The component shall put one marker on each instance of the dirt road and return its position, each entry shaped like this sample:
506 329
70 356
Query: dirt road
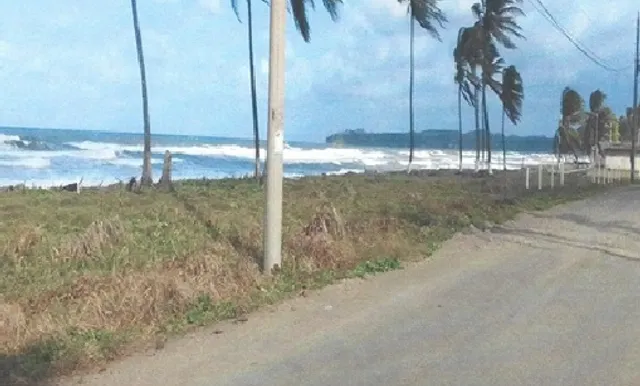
550 299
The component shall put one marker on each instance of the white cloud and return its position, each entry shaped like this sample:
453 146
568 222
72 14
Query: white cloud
212 6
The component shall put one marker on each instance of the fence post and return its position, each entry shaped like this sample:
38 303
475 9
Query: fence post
553 176
526 178
539 176
592 169
562 174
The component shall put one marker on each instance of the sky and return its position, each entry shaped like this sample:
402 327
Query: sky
73 64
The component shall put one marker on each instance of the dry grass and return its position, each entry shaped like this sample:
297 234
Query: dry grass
87 276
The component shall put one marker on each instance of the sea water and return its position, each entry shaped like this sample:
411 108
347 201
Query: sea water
53 157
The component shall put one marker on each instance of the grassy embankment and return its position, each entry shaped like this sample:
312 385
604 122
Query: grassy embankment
87 277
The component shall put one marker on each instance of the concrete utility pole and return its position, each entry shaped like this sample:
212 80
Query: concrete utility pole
275 140
634 115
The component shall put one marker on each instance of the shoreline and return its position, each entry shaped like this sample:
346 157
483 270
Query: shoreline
423 172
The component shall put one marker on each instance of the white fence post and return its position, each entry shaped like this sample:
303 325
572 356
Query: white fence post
539 176
553 176
562 174
526 178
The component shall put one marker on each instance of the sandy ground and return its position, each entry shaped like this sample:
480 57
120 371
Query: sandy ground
552 298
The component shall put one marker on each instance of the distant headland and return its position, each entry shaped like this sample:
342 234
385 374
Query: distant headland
438 139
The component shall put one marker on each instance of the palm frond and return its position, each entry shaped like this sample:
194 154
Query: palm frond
512 95
236 10
428 15
300 12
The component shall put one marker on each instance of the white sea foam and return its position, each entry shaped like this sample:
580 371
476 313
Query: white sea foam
29 163
107 162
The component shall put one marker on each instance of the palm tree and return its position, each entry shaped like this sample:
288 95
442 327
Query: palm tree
254 101
147 178
492 65
496 23
464 78
512 97
592 131
429 17
572 109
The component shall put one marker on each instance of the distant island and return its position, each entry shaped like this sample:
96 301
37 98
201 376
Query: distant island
438 139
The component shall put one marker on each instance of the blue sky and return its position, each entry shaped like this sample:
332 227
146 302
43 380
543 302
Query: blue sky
72 64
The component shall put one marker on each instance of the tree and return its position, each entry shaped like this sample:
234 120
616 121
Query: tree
300 14
594 122
467 57
572 111
147 178
430 18
463 79
252 76
512 96
496 23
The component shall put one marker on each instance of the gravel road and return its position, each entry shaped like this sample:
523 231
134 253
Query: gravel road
552 298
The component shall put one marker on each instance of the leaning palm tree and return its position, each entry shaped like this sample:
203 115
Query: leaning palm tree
252 76
496 23
463 78
147 178
512 96
572 109
429 17
492 65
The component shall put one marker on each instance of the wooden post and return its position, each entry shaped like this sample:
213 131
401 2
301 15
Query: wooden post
562 174
553 176
526 178
165 181
540 177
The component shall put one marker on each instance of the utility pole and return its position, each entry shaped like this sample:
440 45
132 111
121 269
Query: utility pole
634 127
275 140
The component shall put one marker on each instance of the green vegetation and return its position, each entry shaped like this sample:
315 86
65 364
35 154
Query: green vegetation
580 129
88 277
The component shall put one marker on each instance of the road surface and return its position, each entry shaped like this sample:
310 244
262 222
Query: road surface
552 298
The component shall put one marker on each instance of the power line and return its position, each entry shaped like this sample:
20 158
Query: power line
583 49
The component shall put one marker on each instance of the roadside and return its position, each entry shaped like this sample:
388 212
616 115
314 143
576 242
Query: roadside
548 299
91 277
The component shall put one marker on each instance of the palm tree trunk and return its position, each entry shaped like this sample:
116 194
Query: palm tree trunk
147 178
487 130
460 125
411 80
504 144
476 111
254 102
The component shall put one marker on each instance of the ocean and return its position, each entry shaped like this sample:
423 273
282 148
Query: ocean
54 157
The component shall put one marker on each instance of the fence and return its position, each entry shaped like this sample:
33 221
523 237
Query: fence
557 175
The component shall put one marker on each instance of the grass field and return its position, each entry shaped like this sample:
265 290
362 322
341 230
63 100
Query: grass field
88 277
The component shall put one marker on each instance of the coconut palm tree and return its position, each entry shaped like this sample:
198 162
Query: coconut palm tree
496 23
252 76
592 132
572 108
430 18
299 11
512 97
492 65
147 178
464 77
